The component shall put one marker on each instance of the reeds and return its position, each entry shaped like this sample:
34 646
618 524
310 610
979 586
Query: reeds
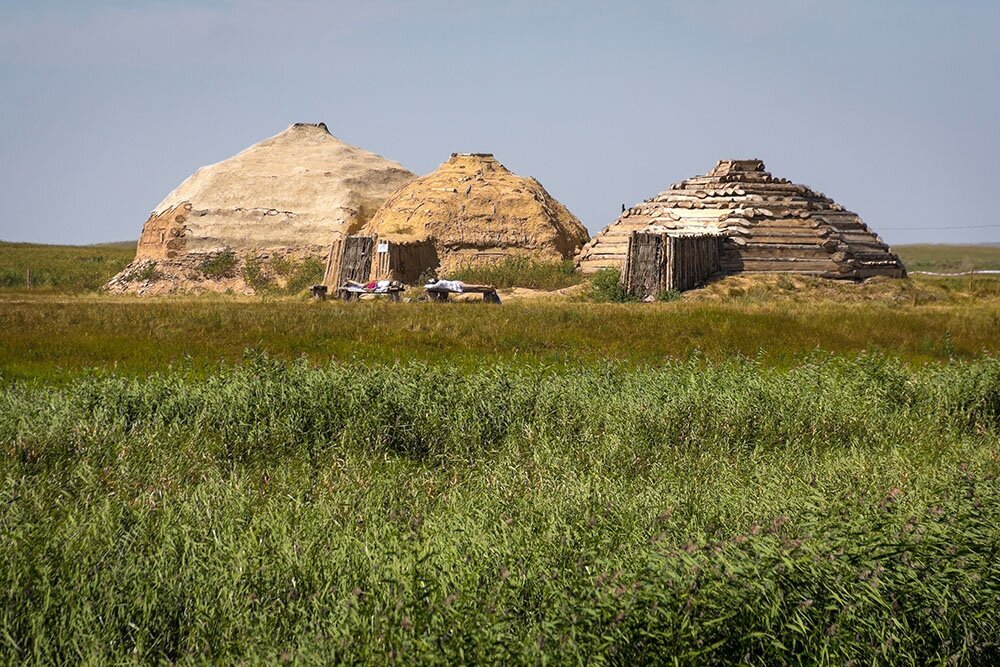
838 510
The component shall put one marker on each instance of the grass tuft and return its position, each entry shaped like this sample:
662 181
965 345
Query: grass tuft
522 272
606 287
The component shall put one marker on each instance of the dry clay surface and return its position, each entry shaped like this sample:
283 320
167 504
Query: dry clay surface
477 211
290 194
297 188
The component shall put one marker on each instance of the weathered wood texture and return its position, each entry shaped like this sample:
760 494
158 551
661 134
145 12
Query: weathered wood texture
350 259
658 262
404 262
365 258
773 225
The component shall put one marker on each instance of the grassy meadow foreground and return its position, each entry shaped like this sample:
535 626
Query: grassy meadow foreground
769 470
837 510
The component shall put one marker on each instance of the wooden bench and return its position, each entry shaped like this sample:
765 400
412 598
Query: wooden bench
355 293
441 295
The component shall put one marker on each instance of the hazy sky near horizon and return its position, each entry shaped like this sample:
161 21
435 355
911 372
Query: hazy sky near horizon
888 107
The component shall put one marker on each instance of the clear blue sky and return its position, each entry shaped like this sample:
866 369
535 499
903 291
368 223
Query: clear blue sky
889 107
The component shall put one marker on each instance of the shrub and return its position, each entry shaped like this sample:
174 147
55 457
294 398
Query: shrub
605 286
146 272
668 295
219 265
305 273
282 266
255 276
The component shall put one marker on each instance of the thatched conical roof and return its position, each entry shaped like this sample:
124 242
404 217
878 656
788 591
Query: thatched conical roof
475 211
293 192
772 225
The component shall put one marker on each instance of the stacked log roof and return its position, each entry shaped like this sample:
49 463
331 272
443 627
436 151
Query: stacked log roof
771 225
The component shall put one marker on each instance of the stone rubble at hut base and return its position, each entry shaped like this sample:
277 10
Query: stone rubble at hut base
771 225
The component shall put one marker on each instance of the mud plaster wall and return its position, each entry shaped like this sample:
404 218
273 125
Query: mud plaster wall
163 235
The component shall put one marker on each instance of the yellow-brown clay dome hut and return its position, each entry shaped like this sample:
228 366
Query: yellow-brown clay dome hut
476 211
288 196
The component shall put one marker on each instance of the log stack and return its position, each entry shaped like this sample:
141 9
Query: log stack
771 225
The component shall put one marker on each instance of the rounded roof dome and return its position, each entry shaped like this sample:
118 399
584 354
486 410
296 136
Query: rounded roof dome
473 206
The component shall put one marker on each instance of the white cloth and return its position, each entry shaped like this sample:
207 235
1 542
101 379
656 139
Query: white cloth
456 286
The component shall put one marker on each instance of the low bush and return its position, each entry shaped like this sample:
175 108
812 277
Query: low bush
668 295
219 264
606 287
282 266
303 274
146 272
255 275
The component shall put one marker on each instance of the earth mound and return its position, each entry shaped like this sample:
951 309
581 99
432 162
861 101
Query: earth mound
476 211
285 197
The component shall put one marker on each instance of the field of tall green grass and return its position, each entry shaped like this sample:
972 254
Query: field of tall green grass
840 511
73 269
522 272
949 258
765 471
50 337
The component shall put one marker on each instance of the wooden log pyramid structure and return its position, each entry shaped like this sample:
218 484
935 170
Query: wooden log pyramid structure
770 224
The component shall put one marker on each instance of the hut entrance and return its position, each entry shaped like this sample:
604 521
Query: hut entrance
365 258
658 262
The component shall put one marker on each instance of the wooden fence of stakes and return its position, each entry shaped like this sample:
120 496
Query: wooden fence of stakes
404 261
658 262
350 259
366 258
